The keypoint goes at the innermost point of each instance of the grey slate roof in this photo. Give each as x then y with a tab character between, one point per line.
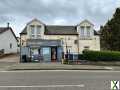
60	30
3	29
24	31
96	32
57	30
42	42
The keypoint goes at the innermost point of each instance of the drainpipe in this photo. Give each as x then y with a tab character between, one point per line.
20	49
78	43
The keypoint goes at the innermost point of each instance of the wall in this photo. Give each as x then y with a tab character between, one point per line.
93	44
5	39
66	39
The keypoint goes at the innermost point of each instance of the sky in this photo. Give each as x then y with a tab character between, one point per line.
55	12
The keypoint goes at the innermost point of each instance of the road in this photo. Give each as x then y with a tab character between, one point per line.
57	80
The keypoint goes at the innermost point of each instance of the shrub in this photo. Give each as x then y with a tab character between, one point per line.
102	55
65	61
81	57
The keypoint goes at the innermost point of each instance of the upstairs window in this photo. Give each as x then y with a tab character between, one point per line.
32	28
88	31
38	31
82	30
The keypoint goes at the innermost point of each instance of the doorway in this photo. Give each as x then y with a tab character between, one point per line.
53	54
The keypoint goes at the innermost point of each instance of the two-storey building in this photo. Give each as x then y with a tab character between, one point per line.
52	41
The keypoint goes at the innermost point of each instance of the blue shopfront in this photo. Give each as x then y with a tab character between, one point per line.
38	50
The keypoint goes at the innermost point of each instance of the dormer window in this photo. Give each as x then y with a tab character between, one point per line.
35	31
32	29
38	31
82	30
88	31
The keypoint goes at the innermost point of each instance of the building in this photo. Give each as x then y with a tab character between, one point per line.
8	40
52	41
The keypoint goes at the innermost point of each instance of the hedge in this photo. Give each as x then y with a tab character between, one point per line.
101	55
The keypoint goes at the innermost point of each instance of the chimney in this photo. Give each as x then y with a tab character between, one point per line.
8	25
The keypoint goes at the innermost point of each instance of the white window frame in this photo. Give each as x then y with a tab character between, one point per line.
82	31
38	35
32	29
88	31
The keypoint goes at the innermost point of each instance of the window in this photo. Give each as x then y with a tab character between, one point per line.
38	31
10	45
86	48
76	41
88	31
82	31
32	28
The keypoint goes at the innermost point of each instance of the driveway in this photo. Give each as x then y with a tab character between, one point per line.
8	60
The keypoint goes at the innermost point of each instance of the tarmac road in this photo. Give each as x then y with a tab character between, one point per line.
57	80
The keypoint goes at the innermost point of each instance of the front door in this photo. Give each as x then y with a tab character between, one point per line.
53	54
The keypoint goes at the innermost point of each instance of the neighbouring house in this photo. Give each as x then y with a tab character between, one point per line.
52	42
8	40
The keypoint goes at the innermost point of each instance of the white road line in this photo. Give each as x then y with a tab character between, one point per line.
42	86
24	71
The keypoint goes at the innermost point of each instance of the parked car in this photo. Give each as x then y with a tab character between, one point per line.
37	58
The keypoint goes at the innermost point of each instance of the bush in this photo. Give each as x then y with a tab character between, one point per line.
81	57
101	55
65	61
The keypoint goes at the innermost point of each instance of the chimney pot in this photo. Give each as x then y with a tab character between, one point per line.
8	25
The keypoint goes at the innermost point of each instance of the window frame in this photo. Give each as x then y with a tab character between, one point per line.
88	31
38	35
82	31
32	31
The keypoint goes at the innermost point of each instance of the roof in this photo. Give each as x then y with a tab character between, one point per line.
24	31
86	21
35	19
43	42
96	32
4	29
60	30
57	30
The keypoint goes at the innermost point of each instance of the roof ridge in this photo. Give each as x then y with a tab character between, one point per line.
62	25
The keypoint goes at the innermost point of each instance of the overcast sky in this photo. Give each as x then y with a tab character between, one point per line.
62	12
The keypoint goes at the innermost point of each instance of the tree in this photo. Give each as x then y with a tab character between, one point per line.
110	33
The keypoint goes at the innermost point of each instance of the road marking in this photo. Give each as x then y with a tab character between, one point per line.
25	71
42	86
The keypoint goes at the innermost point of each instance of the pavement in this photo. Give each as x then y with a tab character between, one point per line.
57	80
11	63
55	66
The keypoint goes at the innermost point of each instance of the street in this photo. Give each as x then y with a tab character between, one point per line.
57	80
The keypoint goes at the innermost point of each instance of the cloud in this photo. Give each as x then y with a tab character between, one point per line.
4	19
56	11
